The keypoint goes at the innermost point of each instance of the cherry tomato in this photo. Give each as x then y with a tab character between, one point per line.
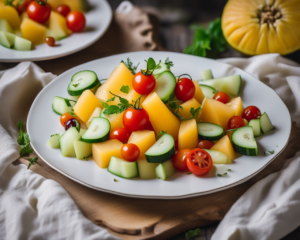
236	122
179	160
199	161
222	97
184	89
39	11
205	144
22	6
122	134
143	84
50	41
130	152
149	127
66	117
63	9
251	112
73	123
176	145
75	21
135	119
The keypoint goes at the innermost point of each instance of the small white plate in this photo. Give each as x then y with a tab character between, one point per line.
42	122
97	22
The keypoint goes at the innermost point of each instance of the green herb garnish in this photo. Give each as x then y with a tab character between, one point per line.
160	134
75	84
54	135
125	89
130	66
9	3
111	99
194	111
151	66
193	233
115	109
32	161
188	173
23	140
115	180
269	152
169	63
221	175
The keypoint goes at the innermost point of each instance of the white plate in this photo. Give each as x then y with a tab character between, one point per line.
42	122
97	22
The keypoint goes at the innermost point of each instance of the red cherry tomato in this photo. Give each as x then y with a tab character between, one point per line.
179	160
206	144
236	122
222	97
122	134
130	152
149	127
143	84
39	12
66	117
75	21
184	89
135	119
251	112
176	145
199	161
22	6
63	9
50	41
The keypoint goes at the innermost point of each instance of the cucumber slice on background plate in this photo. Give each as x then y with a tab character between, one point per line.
265	123
164	170
22	44
162	150
210	131
218	157
158	71
66	142
98	131
244	141
82	81
165	86
61	105
7	39
255	124
206	74
208	91
122	168
231	84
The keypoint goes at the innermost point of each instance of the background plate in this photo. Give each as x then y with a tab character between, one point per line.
97	21
42	122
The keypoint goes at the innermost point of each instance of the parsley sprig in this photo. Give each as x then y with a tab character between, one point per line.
169	63
32	161
130	66
223	174
151	66
160	134
175	109
125	89
23	140
193	233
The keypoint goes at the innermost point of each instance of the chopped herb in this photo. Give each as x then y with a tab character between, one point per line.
169	63
130	66
102	80
115	180
23	140
72	113
151	66
125	89
193	233
32	161
229	170
269	152
160	134
105	105
188	173
221	175
115	109
111	99
75	84
174	105
9	3
194	111
54	135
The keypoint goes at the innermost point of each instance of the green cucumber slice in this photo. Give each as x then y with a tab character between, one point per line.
98	131
61	105
83	150
66	142
164	170
255	124
209	131
206	74
165	86
218	157
22	44
208	91
5	39
5	27
244	141
162	150
122	168
265	123
53	141
82	81
158	71
231	84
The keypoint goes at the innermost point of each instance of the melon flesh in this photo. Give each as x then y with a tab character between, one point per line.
188	135
11	15
224	145
186	107
236	104
199	96
33	31
144	140
58	26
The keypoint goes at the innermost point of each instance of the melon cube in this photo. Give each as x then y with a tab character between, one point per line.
161	118
236	104
224	145
33	31
188	135
144	140
103	151
11	15
58	26
199	96
186	111
83	150
216	112
146	169
132	96
75	5
5	27
116	120
85	105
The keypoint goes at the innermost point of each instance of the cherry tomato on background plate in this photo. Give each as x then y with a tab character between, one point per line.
39	11
185	89
143	84
199	161
50	41
135	119
130	152
205	144
66	117
222	97
22	6
236	122
251	112
122	134
63	9
75	21
179	160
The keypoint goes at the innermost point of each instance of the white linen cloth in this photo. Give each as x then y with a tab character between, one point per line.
32	207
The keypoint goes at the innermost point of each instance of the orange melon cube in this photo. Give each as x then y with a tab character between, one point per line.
237	105
192	103
188	135
132	96
224	145
199	96
33	31
116	121
144	140
11	15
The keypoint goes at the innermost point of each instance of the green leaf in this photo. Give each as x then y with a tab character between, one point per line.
130	66
125	89
115	109
104	104
32	161
193	233
169	63
188	173
23	140
194	111
160	134
111	99
151	64
221	175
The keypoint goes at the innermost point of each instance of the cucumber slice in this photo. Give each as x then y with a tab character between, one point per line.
83	150
231	84
82	81
165	86
265	123
61	105
244	141
160	70
255	124
98	131
206	74
162	150
146	169
164	170
218	157
208	91
122	168
22	44
5	27
53	141
6	39
210	131
66	142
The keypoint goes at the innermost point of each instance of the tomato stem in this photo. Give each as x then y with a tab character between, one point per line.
139	102
42	2
183	75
